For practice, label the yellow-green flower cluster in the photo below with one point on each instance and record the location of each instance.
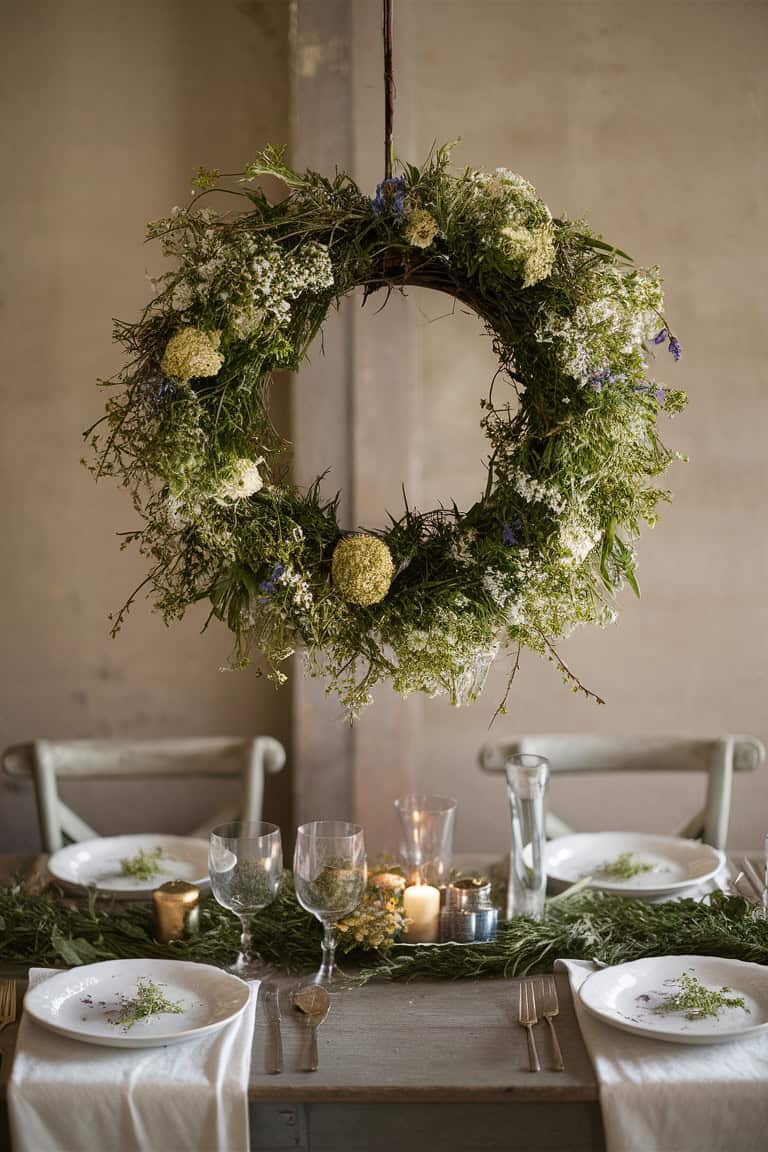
(533, 248)
(362, 569)
(191, 353)
(378, 920)
(420, 228)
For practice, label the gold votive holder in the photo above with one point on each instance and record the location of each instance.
(176, 912)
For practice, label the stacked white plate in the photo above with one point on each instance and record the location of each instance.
(671, 865)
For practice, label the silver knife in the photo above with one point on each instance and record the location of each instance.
(272, 1009)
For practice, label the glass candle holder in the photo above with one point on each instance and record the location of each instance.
(426, 837)
(527, 781)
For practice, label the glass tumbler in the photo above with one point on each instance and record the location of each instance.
(527, 780)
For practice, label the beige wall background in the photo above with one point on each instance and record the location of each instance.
(649, 118)
(107, 109)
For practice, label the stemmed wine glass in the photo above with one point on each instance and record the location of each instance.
(329, 872)
(245, 864)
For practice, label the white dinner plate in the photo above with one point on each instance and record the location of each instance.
(84, 1002)
(625, 996)
(96, 863)
(676, 864)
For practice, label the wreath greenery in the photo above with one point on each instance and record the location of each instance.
(428, 602)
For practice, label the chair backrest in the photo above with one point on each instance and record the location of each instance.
(47, 761)
(718, 758)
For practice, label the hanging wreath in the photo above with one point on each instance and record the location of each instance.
(428, 602)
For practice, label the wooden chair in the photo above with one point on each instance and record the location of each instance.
(719, 759)
(47, 761)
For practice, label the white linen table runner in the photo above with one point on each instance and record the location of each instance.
(662, 1097)
(67, 1096)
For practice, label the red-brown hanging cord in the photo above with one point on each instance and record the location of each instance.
(389, 92)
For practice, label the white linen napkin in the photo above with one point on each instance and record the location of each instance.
(67, 1096)
(663, 1097)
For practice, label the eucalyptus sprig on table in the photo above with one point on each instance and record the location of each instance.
(585, 925)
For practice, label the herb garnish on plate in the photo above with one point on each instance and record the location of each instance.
(143, 865)
(149, 1001)
(625, 866)
(697, 1001)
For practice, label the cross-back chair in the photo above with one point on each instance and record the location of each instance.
(718, 758)
(48, 761)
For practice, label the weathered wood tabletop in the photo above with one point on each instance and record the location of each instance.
(415, 1066)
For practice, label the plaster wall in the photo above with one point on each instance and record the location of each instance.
(107, 107)
(650, 119)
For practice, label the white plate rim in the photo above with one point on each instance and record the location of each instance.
(718, 862)
(54, 863)
(700, 1038)
(120, 1040)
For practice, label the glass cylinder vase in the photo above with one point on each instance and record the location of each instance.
(426, 837)
(527, 780)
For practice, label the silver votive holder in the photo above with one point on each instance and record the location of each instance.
(467, 914)
(467, 894)
(462, 927)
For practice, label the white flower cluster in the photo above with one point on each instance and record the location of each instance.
(613, 326)
(280, 276)
(452, 656)
(254, 277)
(301, 593)
(525, 233)
(461, 547)
(577, 541)
(536, 491)
(243, 480)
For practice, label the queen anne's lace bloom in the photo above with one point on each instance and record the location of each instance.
(192, 353)
(243, 480)
(420, 228)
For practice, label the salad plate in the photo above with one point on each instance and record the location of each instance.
(107, 1003)
(632, 863)
(682, 999)
(130, 867)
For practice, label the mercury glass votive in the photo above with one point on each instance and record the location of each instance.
(426, 837)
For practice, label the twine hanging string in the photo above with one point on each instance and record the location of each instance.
(389, 92)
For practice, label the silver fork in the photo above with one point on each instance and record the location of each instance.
(7, 1003)
(526, 1018)
(550, 1008)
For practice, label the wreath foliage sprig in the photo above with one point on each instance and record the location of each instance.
(428, 602)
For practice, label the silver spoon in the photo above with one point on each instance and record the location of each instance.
(315, 1002)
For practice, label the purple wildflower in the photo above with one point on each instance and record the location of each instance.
(268, 586)
(390, 197)
(509, 532)
(674, 347)
(660, 395)
(599, 379)
(157, 388)
(660, 337)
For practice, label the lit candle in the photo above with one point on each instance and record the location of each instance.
(421, 905)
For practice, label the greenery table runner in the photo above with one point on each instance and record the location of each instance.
(42, 929)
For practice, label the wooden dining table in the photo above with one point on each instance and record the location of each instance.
(411, 1066)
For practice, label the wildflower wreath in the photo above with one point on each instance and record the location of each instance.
(429, 601)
